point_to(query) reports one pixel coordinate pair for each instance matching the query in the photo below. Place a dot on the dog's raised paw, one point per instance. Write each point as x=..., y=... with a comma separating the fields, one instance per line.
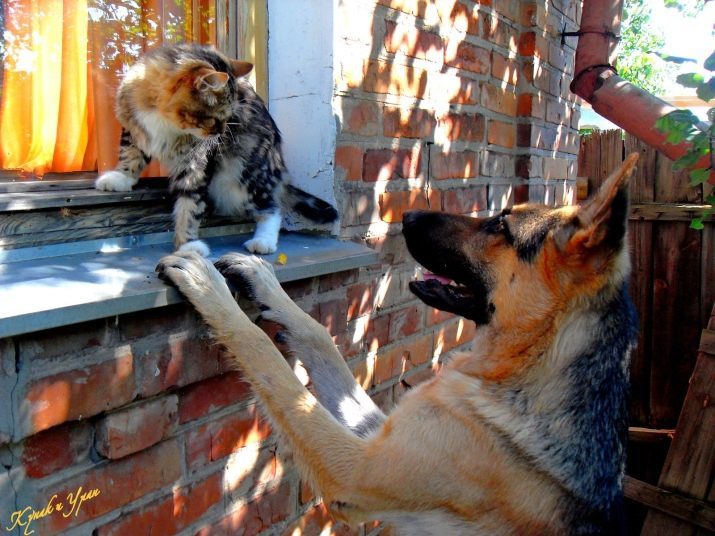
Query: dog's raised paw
x=251, y=276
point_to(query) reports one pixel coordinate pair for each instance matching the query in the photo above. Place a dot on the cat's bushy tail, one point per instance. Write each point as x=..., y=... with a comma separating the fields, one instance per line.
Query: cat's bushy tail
x=308, y=206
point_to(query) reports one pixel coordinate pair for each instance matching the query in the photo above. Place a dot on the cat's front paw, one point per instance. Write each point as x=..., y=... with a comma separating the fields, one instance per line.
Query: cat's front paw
x=199, y=246
x=260, y=245
x=115, y=181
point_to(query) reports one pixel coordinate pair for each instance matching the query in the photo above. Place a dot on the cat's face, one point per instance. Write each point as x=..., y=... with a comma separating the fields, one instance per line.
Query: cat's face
x=199, y=100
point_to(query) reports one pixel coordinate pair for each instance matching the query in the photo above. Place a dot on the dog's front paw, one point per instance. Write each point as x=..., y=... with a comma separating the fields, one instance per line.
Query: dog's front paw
x=115, y=181
x=199, y=246
x=260, y=245
x=194, y=276
x=253, y=276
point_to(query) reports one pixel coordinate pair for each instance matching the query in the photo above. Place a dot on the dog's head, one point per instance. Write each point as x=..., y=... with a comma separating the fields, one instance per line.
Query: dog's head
x=526, y=263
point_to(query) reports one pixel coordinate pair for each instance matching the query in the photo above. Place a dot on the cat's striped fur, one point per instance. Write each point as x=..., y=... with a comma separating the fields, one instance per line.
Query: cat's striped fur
x=190, y=107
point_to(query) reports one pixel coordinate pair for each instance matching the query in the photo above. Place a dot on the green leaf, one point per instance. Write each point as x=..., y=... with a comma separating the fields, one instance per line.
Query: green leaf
x=690, y=79
x=697, y=224
x=698, y=176
x=706, y=90
x=687, y=160
x=710, y=62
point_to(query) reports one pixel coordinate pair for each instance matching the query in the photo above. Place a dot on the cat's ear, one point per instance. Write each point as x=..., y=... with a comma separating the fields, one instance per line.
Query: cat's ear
x=241, y=68
x=211, y=80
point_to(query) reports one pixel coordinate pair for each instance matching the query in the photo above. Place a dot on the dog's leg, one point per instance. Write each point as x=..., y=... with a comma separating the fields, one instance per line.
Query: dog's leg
x=323, y=447
x=334, y=385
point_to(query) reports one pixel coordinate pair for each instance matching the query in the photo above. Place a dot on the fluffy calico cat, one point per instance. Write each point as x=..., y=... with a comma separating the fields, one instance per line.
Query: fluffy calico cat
x=191, y=108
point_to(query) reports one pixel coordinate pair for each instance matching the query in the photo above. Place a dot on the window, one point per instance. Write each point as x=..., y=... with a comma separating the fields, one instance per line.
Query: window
x=62, y=60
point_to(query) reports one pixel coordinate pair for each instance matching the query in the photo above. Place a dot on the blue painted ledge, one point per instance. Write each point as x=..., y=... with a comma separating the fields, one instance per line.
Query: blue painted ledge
x=59, y=285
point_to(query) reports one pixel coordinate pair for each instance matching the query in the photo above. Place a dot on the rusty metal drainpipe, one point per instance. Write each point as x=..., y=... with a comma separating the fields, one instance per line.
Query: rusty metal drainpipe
x=596, y=80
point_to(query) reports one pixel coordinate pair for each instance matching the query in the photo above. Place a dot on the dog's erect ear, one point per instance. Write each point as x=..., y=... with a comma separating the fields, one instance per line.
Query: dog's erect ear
x=601, y=221
x=241, y=68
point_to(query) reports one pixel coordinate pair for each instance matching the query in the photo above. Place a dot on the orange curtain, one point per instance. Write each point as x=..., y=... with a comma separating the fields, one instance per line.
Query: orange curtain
x=61, y=66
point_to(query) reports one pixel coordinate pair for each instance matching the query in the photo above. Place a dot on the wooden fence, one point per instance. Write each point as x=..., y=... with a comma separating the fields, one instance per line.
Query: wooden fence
x=673, y=284
x=673, y=288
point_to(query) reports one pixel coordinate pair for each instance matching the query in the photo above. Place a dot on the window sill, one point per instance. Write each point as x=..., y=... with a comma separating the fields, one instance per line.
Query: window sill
x=58, y=285
x=67, y=193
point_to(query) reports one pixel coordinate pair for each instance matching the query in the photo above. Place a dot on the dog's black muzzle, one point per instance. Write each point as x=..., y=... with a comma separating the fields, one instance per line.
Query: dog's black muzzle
x=437, y=241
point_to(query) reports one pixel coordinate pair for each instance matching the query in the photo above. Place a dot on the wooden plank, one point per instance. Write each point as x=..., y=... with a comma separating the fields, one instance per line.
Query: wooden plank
x=642, y=185
x=79, y=181
x=674, y=186
x=668, y=212
x=640, y=236
x=707, y=343
x=25, y=229
x=690, y=465
x=650, y=435
x=676, y=318
x=707, y=279
x=71, y=198
x=692, y=511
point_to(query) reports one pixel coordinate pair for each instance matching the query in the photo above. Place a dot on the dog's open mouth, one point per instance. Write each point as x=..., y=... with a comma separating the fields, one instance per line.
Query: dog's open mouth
x=446, y=294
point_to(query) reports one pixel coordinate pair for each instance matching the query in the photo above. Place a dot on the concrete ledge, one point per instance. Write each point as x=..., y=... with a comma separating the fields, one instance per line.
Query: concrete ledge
x=53, y=286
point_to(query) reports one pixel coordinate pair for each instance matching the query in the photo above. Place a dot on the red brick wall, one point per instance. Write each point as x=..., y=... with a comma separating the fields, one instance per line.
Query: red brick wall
x=453, y=105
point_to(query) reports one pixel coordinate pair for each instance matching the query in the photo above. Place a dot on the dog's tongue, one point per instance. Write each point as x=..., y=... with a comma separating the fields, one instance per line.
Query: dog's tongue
x=427, y=276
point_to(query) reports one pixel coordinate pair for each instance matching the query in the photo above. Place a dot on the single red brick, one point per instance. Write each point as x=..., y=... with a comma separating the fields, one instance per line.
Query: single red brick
x=453, y=165
x=332, y=314
x=501, y=100
x=274, y=506
x=389, y=164
x=524, y=104
x=527, y=43
x=395, y=361
x=458, y=90
x=349, y=158
x=119, y=482
x=169, y=515
x=501, y=133
x=454, y=334
x=405, y=322
x=413, y=42
x=80, y=393
x=184, y=358
x=361, y=117
x=462, y=17
x=360, y=300
x=202, y=398
x=394, y=204
x=435, y=316
x=521, y=194
x=463, y=55
x=408, y=123
x=466, y=127
x=136, y=428
x=337, y=279
x=217, y=439
x=56, y=448
x=505, y=69
x=395, y=79
x=465, y=201
x=377, y=333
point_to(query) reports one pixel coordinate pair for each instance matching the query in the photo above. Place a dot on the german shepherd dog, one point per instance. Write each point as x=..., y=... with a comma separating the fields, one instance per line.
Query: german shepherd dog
x=524, y=435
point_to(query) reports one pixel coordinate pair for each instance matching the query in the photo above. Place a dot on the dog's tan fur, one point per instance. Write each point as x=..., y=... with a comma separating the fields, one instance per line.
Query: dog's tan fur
x=452, y=458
